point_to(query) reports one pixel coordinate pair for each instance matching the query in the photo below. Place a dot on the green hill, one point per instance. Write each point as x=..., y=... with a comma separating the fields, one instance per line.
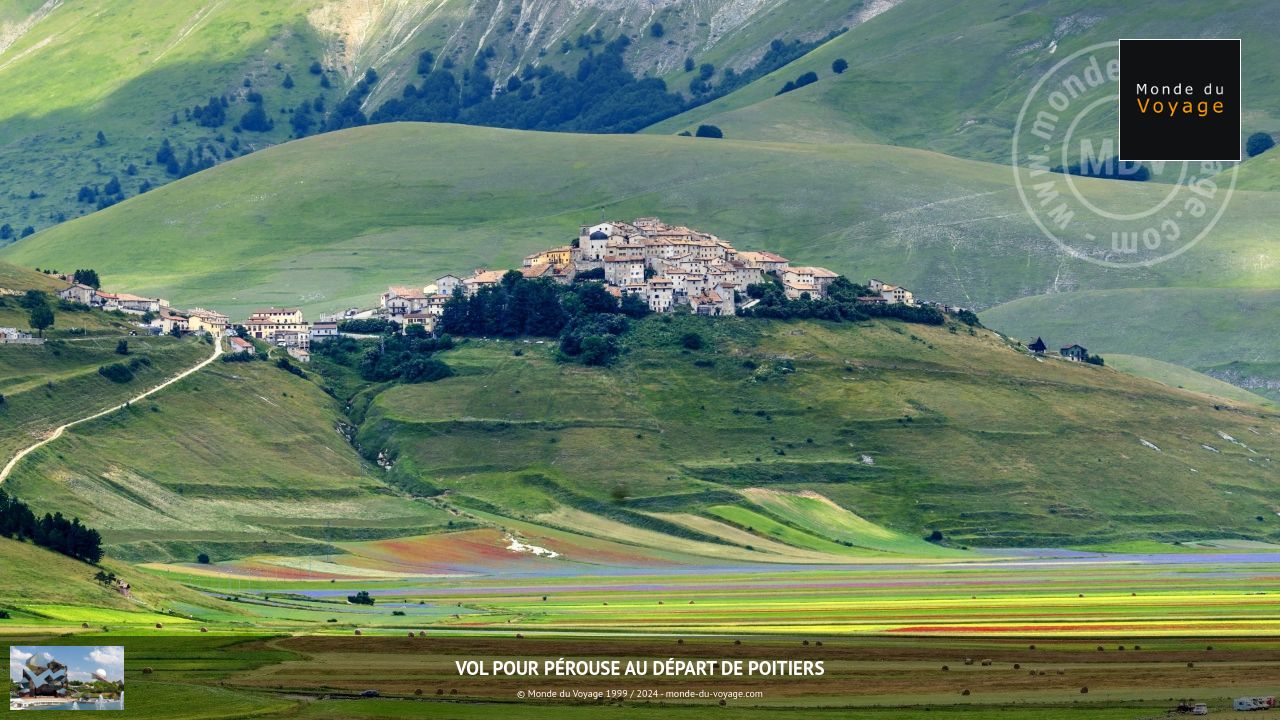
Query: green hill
x=1178, y=376
x=238, y=458
x=797, y=441
x=910, y=427
x=952, y=77
x=135, y=71
x=329, y=221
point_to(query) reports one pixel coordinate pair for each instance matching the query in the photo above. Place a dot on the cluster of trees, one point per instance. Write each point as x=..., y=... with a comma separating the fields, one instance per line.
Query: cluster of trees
x=1110, y=169
x=196, y=160
x=123, y=372
x=601, y=96
x=408, y=358
x=360, y=598
x=87, y=277
x=40, y=313
x=808, y=78
x=366, y=326
x=54, y=532
x=584, y=316
x=7, y=232
x=840, y=305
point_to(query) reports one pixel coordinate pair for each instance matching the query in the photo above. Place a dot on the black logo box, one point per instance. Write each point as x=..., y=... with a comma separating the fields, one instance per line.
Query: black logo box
x=1186, y=64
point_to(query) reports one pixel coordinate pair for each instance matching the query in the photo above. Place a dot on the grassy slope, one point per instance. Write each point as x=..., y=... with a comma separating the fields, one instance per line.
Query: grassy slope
x=995, y=447
x=45, y=386
x=952, y=77
x=328, y=221
x=1233, y=324
x=34, y=578
x=1178, y=376
x=241, y=457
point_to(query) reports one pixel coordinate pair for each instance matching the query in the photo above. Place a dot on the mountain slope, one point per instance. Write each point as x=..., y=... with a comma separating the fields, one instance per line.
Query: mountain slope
x=70, y=69
x=952, y=77
x=329, y=221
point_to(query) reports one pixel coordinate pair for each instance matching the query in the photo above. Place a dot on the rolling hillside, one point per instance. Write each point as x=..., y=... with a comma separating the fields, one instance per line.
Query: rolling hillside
x=70, y=69
x=828, y=442
x=46, y=385
x=329, y=221
x=951, y=77
x=910, y=427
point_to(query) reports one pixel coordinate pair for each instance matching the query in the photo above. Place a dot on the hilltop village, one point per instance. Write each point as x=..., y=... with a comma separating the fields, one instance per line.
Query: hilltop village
x=671, y=268
x=668, y=266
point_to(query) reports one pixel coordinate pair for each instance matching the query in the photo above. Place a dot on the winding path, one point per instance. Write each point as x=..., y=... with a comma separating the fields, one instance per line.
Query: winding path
x=57, y=432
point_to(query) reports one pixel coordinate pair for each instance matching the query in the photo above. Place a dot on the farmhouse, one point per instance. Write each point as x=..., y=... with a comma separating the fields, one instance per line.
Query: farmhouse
x=1074, y=352
x=79, y=293
x=200, y=320
x=240, y=345
x=1038, y=347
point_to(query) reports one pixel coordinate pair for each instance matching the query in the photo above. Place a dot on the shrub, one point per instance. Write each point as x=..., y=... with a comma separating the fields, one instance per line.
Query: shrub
x=1258, y=143
x=360, y=598
x=122, y=347
x=839, y=66
x=203, y=558
x=691, y=341
x=709, y=131
x=116, y=372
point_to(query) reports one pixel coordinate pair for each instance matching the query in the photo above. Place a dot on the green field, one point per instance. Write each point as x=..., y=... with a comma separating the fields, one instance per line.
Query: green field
x=1178, y=376
x=951, y=77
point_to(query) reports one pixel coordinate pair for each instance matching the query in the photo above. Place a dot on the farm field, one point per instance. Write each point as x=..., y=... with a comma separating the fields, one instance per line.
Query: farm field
x=948, y=640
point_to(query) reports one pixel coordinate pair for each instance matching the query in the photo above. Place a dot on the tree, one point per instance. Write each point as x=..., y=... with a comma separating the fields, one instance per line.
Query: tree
x=691, y=341
x=6, y=232
x=709, y=131
x=839, y=66
x=41, y=318
x=315, y=68
x=28, y=231
x=288, y=82
x=203, y=558
x=256, y=120
x=1258, y=143
x=657, y=30
x=688, y=64
x=122, y=347
x=87, y=277
x=102, y=139
x=360, y=598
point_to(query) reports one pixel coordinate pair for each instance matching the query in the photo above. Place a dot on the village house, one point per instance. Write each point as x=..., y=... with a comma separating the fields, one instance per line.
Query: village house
x=200, y=320
x=324, y=331
x=280, y=326
x=447, y=284
x=132, y=304
x=1077, y=353
x=170, y=322
x=79, y=293
x=298, y=353
x=481, y=279
x=14, y=336
x=892, y=293
x=1038, y=347
x=239, y=345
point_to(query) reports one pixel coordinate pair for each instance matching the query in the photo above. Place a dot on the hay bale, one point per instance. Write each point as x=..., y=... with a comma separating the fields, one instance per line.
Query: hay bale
x=1209, y=647
x=965, y=691
x=818, y=643
x=968, y=661
x=737, y=642
x=1017, y=666
x=1137, y=647
x=945, y=668
x=204, y=629
x=422, y=633
x=418, y=691
x=519, y=636
x=411, y=633
x=1191, y=664
x=680, y=641
x=1101, y=649
x=439, y=691
x=1084, y=690
x=159, y=626
x=84, y=625
x=986, y=663
x=358, y=632
x=1031, y=647
x=1062, y=672
x=147, y=671
x=805, y=643
x=1120, y=647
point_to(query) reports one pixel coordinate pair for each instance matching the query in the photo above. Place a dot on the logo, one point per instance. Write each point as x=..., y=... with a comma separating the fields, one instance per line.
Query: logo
x=1095, y=206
